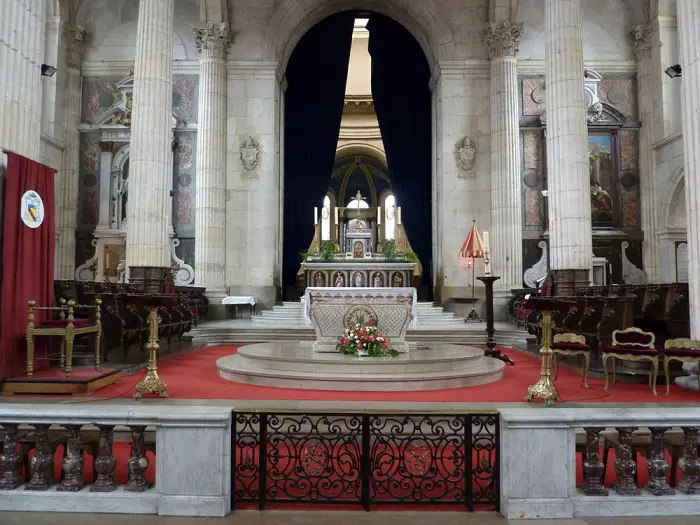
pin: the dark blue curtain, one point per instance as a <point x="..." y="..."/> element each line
<point x="316" y="77"/>
<point x="402" y="100"/>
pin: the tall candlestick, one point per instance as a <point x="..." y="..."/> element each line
<point x="379" y="216"/>
<point x="487" y="256"/>
<point x="398" y="216"/>
<point x="336" y="215"/>
<point x="315" y="216"/>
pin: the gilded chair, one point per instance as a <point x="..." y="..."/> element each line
<point x="684" y="350"/>
<point x="632" y="344"/>
<point x="568" y="344"/>
<point x="67" y="327"/>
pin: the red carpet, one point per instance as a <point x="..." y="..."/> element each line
<point x="195" y="376"/>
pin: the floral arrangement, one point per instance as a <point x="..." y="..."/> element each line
<point x="364" y="341"/>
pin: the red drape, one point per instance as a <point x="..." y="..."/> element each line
<point x="27" y="258"/>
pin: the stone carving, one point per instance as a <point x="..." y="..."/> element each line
<point x="465" y="153"/>
<point x="538" y="270"/>
<point x="11" y="460"/>
<point x="593" y="467"/>
<point x="74" y="37"/>
<point x="625" y="465"/>
<point x="537" y="95"/>
<point x="73" y="462"/>
<point x="137" y="462"/>
<point x="641" y="40"/>
<point x="250" y="154"/>
<point x="106" y="462"/>
<point x="689" y="464"/>
<point x="41" y="464"/>
<point x="123" y="118"/>
<point x="657" y="465"/>
<point x="213" y="39"/>
<point x="630" y="273"/>
<point x="88" y="270"/>
<point x="359" y="315"/>
<point x="183" y="273"/>
<point x="502" y="38"/>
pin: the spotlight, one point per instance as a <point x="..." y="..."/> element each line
<point x="675" y="71"/>
<point x="47" y="71"/>
<point x="545" y="193"/>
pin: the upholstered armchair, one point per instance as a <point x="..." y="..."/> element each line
<point x="684" y="350"/>
<point x="67" y="327"/>
<point x="632" y="344"/>
<point x="568" y="344"/>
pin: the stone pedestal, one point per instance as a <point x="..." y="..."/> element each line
<point x="566" y="282"/>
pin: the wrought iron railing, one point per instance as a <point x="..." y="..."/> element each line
<point x="366" y="459"/>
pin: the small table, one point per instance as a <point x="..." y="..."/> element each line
<point x="152" y="384"/>
<point x="238" y="300"/>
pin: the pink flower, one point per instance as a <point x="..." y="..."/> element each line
<point x="370" y="322"/>
<point x="361" y="332"/>
<point x="371" y="338"/>
<point x="344" y="341"/>
<point x="359" y="346"/>
<point x="385" y="345"/>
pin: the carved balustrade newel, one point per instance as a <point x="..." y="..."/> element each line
<point x="593" y="467"/>
<point x="657" y="464"/>
<point x="625" y="465"/>
<point x="105" y="463"/>
<point x="138" y="462"/>
<point x="10" y="461"/>
<point x="73" y="462"/>
<point x="689" y="464"/>
<point x="42" y="463"/>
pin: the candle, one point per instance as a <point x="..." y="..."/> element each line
<point x="336" y="215"/>
<point x="487" y="256"/>
<point x="398" y="216"/>
<point x="315" y="216"/>
<point x="379" y="216"/>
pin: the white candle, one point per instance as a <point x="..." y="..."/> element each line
<point x="487" y="256"/>
<point x="398" y="216"/>
<point x="315" y="216"/>
<point x="336" y="215"/>
<point x="379" y="216"/>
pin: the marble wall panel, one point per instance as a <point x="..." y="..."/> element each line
<point x="533" y="96"/>
<point x="186" y="250"/>
<point x="620" y="93"/>
<point x="89" y="184"/>
<point x="532" y="179"/>
<point x="185" y="97"/>
<point x="99" y="94"/>
<point x="629" y="179"/>
<point x="184" y="182"/>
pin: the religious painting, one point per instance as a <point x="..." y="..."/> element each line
<point x="358" y="250"/>
<point x="358" y="280"/>
<point x="397" y="280"/>
<point x="319" y="280"/>
<point x="378" y="280"/>
<point x="602" y="180"/>
<point x="338" y="280"/>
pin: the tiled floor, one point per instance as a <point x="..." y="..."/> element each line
<point x="321" y="518"/>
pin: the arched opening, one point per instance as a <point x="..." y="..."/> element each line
<point x="316" y="76"/>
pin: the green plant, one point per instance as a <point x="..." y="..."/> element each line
<point x="389" y="249"/>
<point x="327" y="250"/>
<point x="411" y="257"/>
<point x="304" y="255"/>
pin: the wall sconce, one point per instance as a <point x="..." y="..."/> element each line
<point x="47" y="71"/>
<point x="675" y="71"/>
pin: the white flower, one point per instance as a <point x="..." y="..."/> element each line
<point x="380" y="339"/>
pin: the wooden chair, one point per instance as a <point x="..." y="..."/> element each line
<point x="684" y="350"/>
<point x="632" y="344"/>
<point x="67" y="327"/>
<point x="568" y="344"/>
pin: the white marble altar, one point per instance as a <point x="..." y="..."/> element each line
<point x="332" y="310"/>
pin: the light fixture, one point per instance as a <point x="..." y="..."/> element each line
<point x="675" y="71"/>
<point x="545" y="193"/>
<point x="47" y="70"/>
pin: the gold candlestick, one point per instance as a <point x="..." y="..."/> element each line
<point x="152" y="384"/>
<point x="544" y="389"/>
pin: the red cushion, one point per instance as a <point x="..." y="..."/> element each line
<point x="53" y="323"/>
<point x="683" y="352"/>
<point x="634" y="349"/>
<point x="570" y="346"/>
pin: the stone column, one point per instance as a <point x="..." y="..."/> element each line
<point x="688" y="29"/>
<point x="502" y="39"/>
<point x="570" y="242"/>
<point x="67" y="211"/>
<point x="641" y="36"/>
<point x="151" y="162"/>
<point x="212" y="41"/>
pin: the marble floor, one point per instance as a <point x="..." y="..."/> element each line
<point x="322" y="518"/>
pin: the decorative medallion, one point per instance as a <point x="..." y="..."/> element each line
<point x="465" y="152"/>
<point x="314" y="458"/>
<point x="90" y="179"/>
<point x="629" y="179"/>
<point x="31" y="209"/>
<point x="417" y="458"/>
<point x="105" y="100"/>
<point x="531" y="178"/>
<point x="615" y="96"/>
<point x="537" y="95"/>
<point x="185" y="180"/>
<point x="250" y="154"/>
<point x="361" y="315"/>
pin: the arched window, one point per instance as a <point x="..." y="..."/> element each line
<point x="389" y="217"/>
<point x="353" y="204"/>
<point x="326" y="219"/>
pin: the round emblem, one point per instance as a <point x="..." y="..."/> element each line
<point x="32" y="209"/>
<point x="361" y="315"/>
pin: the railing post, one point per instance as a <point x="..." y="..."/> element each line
<point x="468" y="462"/>
<point x="365" y="466"/>
<point x="263" y="462"/>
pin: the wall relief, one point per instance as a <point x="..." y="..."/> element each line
<point x="250" y="154"/>
<point x="465" y="153"/>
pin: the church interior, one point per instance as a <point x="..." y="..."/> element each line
<point x="273" y="255"/>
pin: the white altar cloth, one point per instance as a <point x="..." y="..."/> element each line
<point x="239" y="299"/>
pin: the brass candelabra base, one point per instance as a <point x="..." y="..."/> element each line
<point x="544" y="388"/>
<point x="152" y="384"/>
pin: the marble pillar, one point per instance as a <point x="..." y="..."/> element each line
<point x="688" y="30"/>
<point x="570" y="242"/>
<point x="151" y="162"/>
<point x="642" y="36"/>
<point x="67" y="210"/>
<point x="502" y="39"/>
<point x="213" y="42"/>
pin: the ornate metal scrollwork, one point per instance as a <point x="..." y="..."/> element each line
<point x="73" y="462"/>
<point x="11" y="460"/>
<point x="41" y="464"/>
<point x="105" y="463"/>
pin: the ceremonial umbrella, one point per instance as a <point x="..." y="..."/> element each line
<point x="473" y="248"/>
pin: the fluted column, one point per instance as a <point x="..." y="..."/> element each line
<point x="641" y="36"/>
<point x="570" y="243"/>
<point x="212" y="41"/>
<point x="689" y="39"/>
<point x="151" y="161"/>
<point x="502" y="39"/>
<point x="67" y="210"/>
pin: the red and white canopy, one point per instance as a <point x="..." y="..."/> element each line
<point x="473" y="245"/>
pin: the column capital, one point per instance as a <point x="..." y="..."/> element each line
<point x="641" y="36"/>
<point x="74" y="37"/>
<point x="213" y="39"/>
<point x="502" y="38"/>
